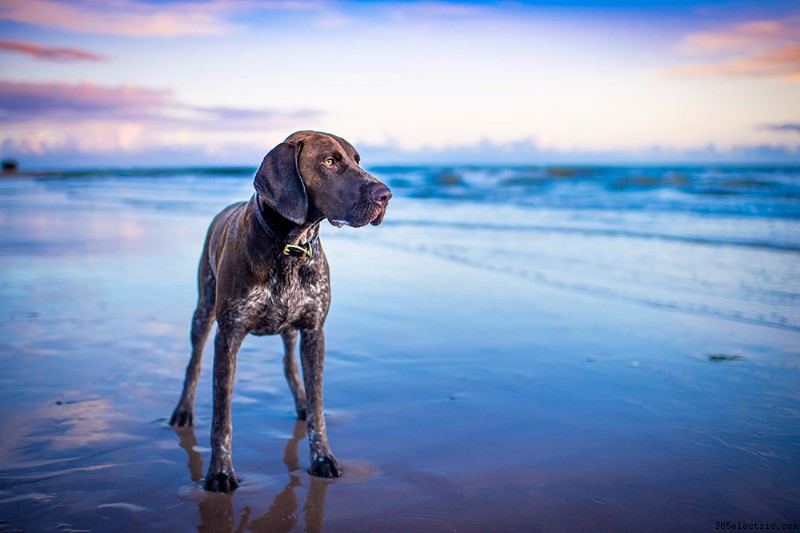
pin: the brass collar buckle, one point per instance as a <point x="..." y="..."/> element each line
<point x="298" y="251"/>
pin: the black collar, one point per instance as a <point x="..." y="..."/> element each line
<point x="292" y="249"/>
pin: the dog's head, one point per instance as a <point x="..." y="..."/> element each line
<point x="313" y="175"/>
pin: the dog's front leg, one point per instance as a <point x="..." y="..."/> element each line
<point x="220" y="476"/>
<point x="312" y="354"/>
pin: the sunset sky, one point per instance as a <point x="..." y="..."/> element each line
<point x="152" y="83"/>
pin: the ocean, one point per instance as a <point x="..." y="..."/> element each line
<point x="720" y="241"/>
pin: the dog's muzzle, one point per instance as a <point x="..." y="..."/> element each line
<point x="380" y="195"/>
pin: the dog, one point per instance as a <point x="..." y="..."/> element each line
<point x="263" y="271"/>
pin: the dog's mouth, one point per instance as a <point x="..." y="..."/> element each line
<point x="374" y="217"/>
<point x="379" y="217"/>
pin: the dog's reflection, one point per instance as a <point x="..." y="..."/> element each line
<point x="217" y="510"/>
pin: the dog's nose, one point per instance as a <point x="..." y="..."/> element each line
<point x="381" y="194"/>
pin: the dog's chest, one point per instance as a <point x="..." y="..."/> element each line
<point x="280" y="304"/>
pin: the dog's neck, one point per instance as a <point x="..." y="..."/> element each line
<point x="281" y="230"/>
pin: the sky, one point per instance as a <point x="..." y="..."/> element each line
<point x="135" y="83"/>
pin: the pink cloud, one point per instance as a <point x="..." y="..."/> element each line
<point x="783" y="62"/>
<point x="85" y="118"/>
<point x="48" y="53"/>
<point x="120" y="17"/>
<point x="22" y="102"/>
<point x="140" y="18"/>
<point x="742" y="37"/>
<point x="756" y="49"/>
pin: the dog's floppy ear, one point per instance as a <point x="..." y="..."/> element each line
<point x="278" y="182"/>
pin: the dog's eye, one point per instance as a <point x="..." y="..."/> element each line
<point x="328" y="162"/>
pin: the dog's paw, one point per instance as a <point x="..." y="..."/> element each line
<point x="325" y="466"/>
<point x="220" y="481"/>
<point x="182" y="417"/>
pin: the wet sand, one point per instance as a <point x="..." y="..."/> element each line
<point x="458" y="398"/>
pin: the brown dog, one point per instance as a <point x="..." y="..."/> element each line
<point x="263" y="271"/>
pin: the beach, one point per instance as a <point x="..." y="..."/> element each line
<point x="513" y="349"/>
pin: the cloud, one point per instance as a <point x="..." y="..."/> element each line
<point x="119" y="17"/>
<point x="23" y="101"/>
<point x="415" y="10"/>
<point x="37" y="151"/>
<point x="64" y="102"/>
<point x="528" y="152"/>
<point x="783" y="127"/>
<point x="138" y="18"/>
<point x="61" y="122"/>
<point x="34" y="152"/>
<point x="742" y="36"/>
<point x="756" y="49"/>
<point x="48" y="53"/>
<point x="782" y="62"/>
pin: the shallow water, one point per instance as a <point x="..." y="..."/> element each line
<point x="572" y="356"/>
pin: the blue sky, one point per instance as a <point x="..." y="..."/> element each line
<point x="135" y="83"/>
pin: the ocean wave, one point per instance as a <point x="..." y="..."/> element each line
<point x="759" y="191"/>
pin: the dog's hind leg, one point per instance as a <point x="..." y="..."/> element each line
<point x="203" y="318"/>
<point x="292" y="371"/>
